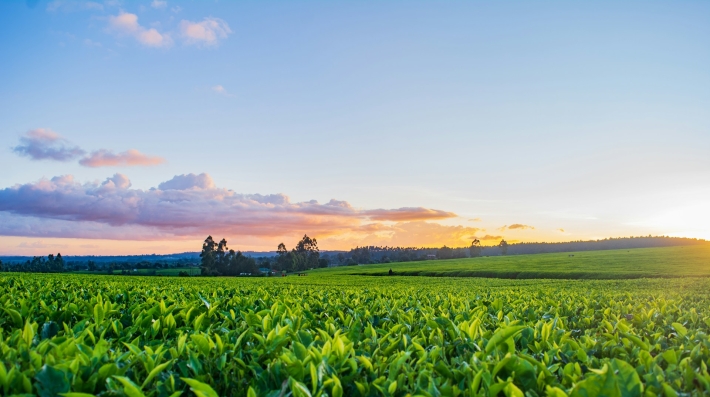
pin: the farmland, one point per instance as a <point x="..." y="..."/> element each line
<point x="338" y="335"/>
<point x="689" y="261"/>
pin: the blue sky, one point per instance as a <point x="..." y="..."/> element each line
<point x="576" y="120"/>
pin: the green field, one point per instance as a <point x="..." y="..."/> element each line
<point x="343" y="335"/>
<point x="159" y="272"/>
<point x="690" y="261"/>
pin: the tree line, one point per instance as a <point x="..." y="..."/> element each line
<point x="38" y="264"/>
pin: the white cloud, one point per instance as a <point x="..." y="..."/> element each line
<point x="221" y="90"/>
<point x="127" y="24"/>
<point x="70" y="6"/>
<point x="158" y="4"/>
<point x="91" y="43"/>
<point x="208" y="32"/>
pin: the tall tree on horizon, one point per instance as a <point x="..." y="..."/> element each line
<point x="503" y="245"/>
<point x="475" y="248"/>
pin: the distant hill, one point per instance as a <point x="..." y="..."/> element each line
<point x="596" y="245"/>
<point x="378" y="254"/>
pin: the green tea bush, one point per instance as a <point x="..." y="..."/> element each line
<point x="76" y="335"/>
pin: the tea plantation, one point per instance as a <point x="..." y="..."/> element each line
<point x="668" y="262"/>
<point x="336" y="335"/>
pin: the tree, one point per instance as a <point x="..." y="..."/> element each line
<point x="218" y="260"/>
<point x="283" y="261"/>
<point x="1" y="269"/>
<point x="503" y="245"/>
<point x="92" y="266"/>
<point x="475" y="248"/>
<point x="207" y="257"/>
<point x="58" y="265"/>
<point x="307" y="248"/>
<point x="444" y="253"/>
<point x="281" y="250"/>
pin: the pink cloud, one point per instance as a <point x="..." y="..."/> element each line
<point x="408" y="214"/>
<point x="208" y="32"/>
<point x="185" y="206"/>
<point x="132" y="157"/>
<point x="126" y="24"/>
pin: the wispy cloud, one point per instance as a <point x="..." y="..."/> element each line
<point x="515" y="226"/>
<point x="488" y="237"/>
<point x="126" y="24"/>
<point x="408" y="214"/>
<point x="91" y="43"/>
<point x="520" y="226"/>
<point x="129" y="158"/>
<point x="38" y="244"/>
<point x="189" y="205"/>
<point x="70" y="6"/>
<point x="218" y="89"/>
<point x="45" y="144"/>
<point x="158" y="4"/>
<point x="207" y="32"/>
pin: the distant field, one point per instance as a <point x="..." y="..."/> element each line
<point x="690" y="261"/>
<point x="159" y="272"/>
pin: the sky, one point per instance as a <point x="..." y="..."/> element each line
<point x="132" y="127"/>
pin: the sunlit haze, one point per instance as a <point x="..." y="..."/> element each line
<point x="143" y="127"/>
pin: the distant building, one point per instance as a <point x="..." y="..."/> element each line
<point x="431" y="256"/>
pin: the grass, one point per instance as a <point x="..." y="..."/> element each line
<point x="665" y="262"/>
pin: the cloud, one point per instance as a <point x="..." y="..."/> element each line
<point x="187" y="182"/>
<point x="519" y="226"/>
<point x="475" y="220"/>
<point x="408" y="214"/>
<point x="488" y="237"/>
<point x="158" y="4"/>
<point x="45" y="144"/>
<point x="407" y="234"/>
<point x="515" y="226"/>
<point x="70" y="6"/>
<point x="208" y="32"/>
<point x="185" y="206"/>
<point x="38" y="244"/>
<point x="126" y="24"/>
<point x="91" y="43"/>
<point x="561" y="230"/>
<point x="129" y="158"/>
<point x="221" y="90"/>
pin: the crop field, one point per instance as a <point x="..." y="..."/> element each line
<point x="160" y="272"/>
<point x="690" y="261"/>
<point x="79" y="335"/>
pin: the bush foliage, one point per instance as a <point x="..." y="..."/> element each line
<point x="371" y="336"/>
